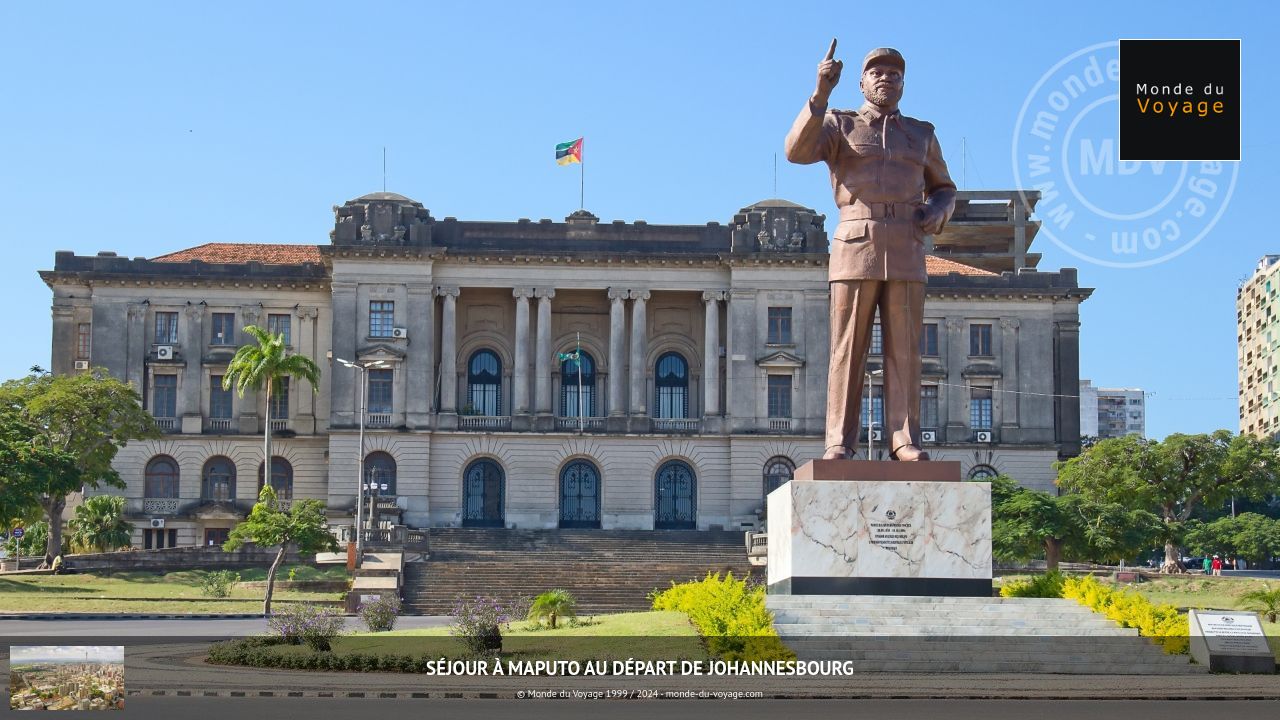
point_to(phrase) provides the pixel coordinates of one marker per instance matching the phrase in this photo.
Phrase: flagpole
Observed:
(582, 183)
(578, 352)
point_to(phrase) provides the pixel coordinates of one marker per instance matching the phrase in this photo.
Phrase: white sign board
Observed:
(1230, 641)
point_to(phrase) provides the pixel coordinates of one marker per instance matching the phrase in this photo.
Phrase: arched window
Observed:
(380, 468)
(281, 478)
(982, 472)
(580, 495)
(675, 497)
(161, 478)
(672, 383)
(484, 383)
(571, 380)
(219, 481)
(482, 490)
(778, 471)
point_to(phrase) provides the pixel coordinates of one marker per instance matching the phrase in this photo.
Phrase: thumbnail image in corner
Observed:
(66, 677)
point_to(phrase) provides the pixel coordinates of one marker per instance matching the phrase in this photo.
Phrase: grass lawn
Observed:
(141, 591)
(659, 635)
(1210, 593)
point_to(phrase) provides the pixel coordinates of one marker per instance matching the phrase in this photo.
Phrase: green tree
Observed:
(1171, 478)
(552, 605)
(261, 366)
(77, 424)
(1265, 601)
(302, 526)
(1254, 537)
(99, 525)
(1027, 523)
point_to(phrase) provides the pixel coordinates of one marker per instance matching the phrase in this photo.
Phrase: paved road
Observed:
(205, 627)
(200, 708)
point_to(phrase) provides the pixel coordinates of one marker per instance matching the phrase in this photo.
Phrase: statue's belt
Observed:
(876, 211)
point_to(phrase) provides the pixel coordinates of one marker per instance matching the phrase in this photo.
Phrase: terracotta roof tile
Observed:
(266, 253)
(935, 265)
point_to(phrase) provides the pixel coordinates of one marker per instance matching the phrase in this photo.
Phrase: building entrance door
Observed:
(482, 503)
(579, 496)
(675, 497)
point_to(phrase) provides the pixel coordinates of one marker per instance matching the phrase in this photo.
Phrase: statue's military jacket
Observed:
(884, 167)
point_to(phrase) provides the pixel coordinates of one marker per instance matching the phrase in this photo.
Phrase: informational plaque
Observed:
(1230, 641)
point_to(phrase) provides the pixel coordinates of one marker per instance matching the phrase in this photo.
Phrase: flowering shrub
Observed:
(478, 624)
(729, 614)
(314, 625)
(1162, 623)
(380, 615)
(218, 584)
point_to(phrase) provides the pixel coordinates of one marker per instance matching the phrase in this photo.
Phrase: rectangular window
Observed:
(164, 396)
(980, 408)
(279, 324)
(877, 339)
(84, 334)
(929, 340)
(381, 318)
(166, 328)
(280, 399)
(928, 406)
(873, 407)
(779, 396)
(779, 326)
(380, 391)
(224, 329)
(219, 399)
(980, 339)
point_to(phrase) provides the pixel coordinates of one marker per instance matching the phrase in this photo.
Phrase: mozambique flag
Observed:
(569, 152)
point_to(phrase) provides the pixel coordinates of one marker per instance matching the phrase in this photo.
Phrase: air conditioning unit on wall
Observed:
(157, 522)
(877, 434)
(402, 333)
(928, 436)
(984, 436)
(164, 352)
(82, 364)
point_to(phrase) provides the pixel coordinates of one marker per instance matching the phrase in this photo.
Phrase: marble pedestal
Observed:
(922, 533)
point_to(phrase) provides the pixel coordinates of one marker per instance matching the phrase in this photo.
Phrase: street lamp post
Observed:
(361, 372)
(871, 415)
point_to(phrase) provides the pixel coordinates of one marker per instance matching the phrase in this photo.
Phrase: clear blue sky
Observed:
(145, 128)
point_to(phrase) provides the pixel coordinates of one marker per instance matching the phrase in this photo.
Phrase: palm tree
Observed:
(99, 525)
(552, 605)
(1265, 601)
(261, 366)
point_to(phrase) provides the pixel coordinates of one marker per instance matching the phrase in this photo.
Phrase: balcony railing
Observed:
(484, 422)
(159, 506)
(781, 424)
(220, 425)
(167, 424)
(676, 425)
(377, 420)
(590, 424)
(278, 425)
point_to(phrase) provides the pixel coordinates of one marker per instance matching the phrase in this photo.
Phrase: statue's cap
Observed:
(884, 55)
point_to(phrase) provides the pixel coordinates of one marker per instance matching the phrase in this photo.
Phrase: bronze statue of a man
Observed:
(892, 188)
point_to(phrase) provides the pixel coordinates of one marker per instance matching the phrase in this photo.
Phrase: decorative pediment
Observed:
(380, 351)
(932, 369)
(981, 370)
(781, 360)
(216, 510)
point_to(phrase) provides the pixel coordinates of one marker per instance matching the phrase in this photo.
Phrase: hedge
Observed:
(1162, 623)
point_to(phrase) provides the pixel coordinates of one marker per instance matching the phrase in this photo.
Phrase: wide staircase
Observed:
(606, 570)
(977, 635)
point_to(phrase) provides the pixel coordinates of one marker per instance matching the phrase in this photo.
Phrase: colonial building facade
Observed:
(551, 374)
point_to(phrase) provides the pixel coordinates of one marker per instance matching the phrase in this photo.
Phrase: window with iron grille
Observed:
(164, 396)
(219, 399)
(380, 391)
(929, 406)
(166, 328)
(929, 339)
(778, 471)
(484, 383)
(672, 385)
(280, 399)
(980, 339)
(160, 479)
(779, 396)
(84, 335)
(980, 408)
(278, 324)
(224, 329)
(381, 318)
(578, 375)
(779, 325)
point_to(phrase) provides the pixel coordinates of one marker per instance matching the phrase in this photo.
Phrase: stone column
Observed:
(64, 339)
(711, 353)
(1066, 386)
(1008, 401)
(248, 405)
(305, 341)
(956, 351)
(449, 357)
(542, 357)
(617, 341)
(139, 347)
(419, 380)
(343, 388)
(639, 347)
(192, 370)
(520, 372)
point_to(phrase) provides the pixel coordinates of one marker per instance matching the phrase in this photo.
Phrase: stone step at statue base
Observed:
(966, 635)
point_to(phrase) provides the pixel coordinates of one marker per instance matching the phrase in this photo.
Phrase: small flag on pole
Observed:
(569, 152)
